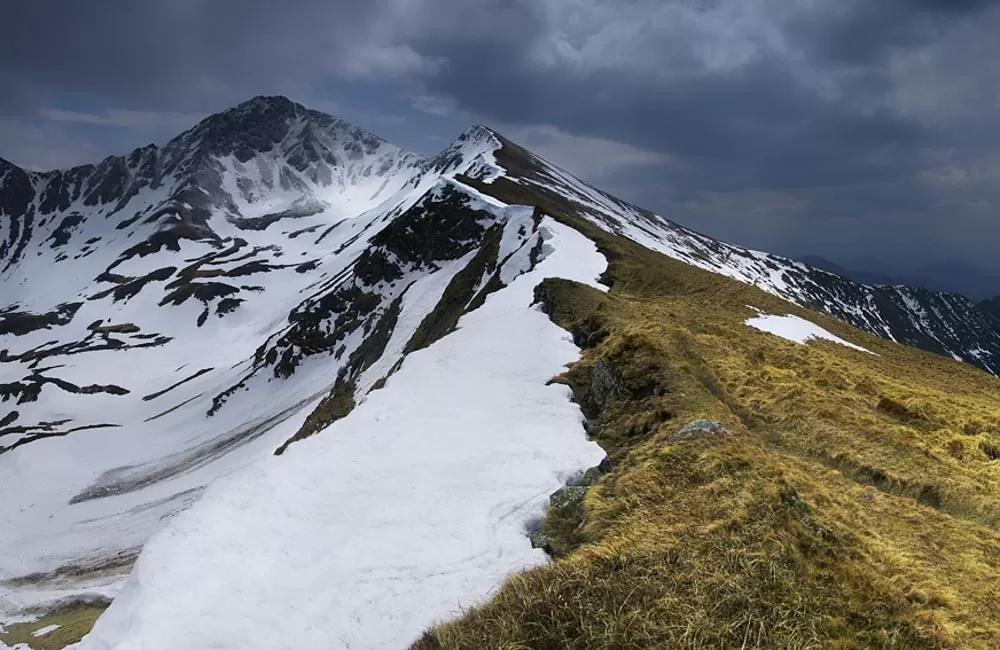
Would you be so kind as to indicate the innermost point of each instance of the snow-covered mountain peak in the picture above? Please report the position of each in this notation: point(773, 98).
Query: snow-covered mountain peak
point(267, 124)
point(479, 134)
point(470, 154)
point(265, 161)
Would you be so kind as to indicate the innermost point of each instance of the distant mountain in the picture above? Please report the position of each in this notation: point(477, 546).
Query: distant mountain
point(177, 313)
point(991, 306)
point(952, 277)
point(865, 277)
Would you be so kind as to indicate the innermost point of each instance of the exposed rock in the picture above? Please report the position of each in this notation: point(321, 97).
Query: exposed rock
point(568, 496)
point(592, 475)
point(121, 328)
point(605, 386)
point(20, 323)
point(540, 540)
point(445, 228)
point(698, 429)
point(61, 235)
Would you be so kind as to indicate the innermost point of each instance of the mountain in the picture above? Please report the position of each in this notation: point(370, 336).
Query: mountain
point(943, 323)
point(991, 306)
point(175, 318)
point(949, 277)
point(864, 277)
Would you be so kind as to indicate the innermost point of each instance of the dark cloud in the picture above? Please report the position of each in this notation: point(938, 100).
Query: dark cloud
point(784, 124)
point(177, 55)
point(860, 31)
point(840, 109)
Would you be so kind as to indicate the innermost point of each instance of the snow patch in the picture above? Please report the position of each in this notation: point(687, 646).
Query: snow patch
point(796, 329)
point(45, 630)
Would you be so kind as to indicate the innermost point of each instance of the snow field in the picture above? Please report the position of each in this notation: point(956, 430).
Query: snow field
point(396, 517)
point(796, 329)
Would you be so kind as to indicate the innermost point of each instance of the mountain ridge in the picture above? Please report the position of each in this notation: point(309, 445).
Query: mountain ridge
point(943, 323)
point(944, 277)
point(188, 313)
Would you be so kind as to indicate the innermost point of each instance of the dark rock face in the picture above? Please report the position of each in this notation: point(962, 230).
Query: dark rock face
point(60, 236)
point(20, 323)
point(15, 189)
point(260, 124)
point(443, 229)
point(249, 128)
point(16, 195)
point(129, 287)
point(374, 266)
point(262, 223)
point(460, 294)
point(605, 387)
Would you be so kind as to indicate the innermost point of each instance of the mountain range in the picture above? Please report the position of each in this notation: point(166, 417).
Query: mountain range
point(174, 315)
point(948, 277)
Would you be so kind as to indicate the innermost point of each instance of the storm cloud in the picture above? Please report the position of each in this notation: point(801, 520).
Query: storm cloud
point(849, 128)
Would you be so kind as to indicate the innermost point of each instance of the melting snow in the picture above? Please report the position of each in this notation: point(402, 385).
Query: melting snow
point(45, 630)
point(400, 515)
point(796, 329)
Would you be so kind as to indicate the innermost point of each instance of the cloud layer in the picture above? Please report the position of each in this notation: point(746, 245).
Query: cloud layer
point(834, 126)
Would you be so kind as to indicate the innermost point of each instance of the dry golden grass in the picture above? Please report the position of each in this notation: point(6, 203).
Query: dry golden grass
point(856, 504)
point(74, 622)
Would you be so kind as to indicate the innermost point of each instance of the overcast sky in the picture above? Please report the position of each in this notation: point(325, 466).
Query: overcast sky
point(850, 128)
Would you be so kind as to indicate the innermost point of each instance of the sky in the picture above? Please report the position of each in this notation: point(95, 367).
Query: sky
point(865, 131)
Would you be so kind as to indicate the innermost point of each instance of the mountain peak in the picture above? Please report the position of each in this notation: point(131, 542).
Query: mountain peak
point(255, 125)
point(266, 104)
point(479, 134)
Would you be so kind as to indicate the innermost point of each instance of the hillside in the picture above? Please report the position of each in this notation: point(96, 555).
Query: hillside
point(852, 503)
point(280, 354)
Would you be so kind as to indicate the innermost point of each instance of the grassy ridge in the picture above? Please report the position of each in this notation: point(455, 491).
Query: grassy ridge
point(855, 505)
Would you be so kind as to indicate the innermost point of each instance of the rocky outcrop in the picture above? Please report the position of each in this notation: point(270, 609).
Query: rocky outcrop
point(698, 429)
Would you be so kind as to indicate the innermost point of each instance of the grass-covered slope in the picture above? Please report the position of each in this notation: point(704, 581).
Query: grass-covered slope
point(855, 504)
point(54, 631)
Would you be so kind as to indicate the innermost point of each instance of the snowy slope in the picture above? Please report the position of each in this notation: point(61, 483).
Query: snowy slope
point(175, 315)
point(410, 508)
point(135, 393)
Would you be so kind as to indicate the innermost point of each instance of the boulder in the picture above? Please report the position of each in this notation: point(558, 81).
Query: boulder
point(568, 496)
point(701, 428)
